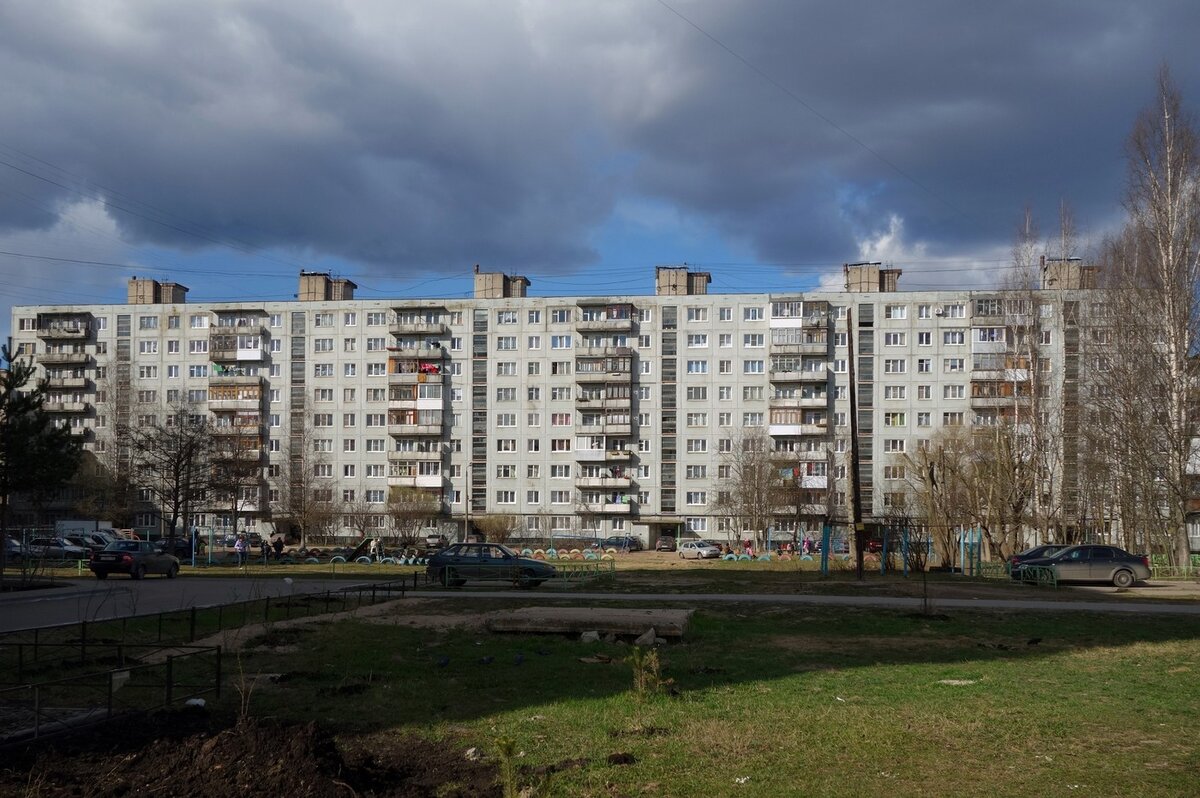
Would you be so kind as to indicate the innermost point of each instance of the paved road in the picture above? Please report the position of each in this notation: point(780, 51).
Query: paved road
point(78, 600)
point(886, 602)
point(92, 600)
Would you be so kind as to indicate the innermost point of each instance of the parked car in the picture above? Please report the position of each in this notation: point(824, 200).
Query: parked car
point(134, 557)
point(55, 549)
point(665, 543)
point(1094, 564)
point(1036, 553)
point(14, 552)
point(92, 541)
point(181, 547)
point(463, 562)
point(623, 542)
point(698, 550)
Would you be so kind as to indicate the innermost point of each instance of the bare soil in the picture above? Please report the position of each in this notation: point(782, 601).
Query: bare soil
point(190, 753)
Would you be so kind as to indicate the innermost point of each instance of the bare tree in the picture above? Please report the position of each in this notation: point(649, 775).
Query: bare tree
point(170, 459)
point(938, 476)
point(1144, 339)
point(754, 493)
point(303, 499)
point(411, 510)
point(497, 527)
point(236, 478)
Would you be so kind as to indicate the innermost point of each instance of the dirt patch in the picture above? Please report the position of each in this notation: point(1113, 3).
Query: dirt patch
point(189, 754)
point(857, 644)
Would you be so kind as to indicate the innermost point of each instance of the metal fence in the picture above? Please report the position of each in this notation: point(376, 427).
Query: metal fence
point(41, 709)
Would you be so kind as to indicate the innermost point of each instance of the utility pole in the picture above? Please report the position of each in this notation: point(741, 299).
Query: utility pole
point(855, 486)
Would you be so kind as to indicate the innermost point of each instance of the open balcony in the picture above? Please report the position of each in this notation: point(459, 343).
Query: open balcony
point(621, 482)
point(798, 402)
point(414, 327)
point(64, 331)
point(68, 382)
point(64, 358)
point(603, 455)
point(606, 508)
point(66, 407)
point(415, 481)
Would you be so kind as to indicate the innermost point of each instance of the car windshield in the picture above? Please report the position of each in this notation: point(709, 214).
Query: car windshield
point(122, 545)
point(507, 551)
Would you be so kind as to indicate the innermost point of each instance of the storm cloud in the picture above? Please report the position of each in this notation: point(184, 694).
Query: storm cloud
point(405, 137)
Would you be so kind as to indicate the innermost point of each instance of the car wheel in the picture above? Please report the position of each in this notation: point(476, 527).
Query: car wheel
point(173, 571)
point(138, 572)
point(527, 580)
point(1123, 578)
point(102, 574)
point(450, 578)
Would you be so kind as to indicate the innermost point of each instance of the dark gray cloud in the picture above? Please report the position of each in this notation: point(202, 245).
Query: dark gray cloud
point(410, 136)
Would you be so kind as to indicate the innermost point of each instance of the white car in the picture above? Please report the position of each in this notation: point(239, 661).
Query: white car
point(698, 550)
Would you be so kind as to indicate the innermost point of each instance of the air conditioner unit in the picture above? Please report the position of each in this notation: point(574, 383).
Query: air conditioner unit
point(939, 312)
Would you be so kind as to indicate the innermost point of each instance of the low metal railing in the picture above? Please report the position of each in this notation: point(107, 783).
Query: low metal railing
point(41, 709)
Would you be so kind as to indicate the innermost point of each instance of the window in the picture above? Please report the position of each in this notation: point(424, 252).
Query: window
point(697, 445)
point(895, 311)
point(322, 369)
point(696, 393)
point(643, 392)
point(952, 365)
point(752, 419)
point(645, 342)
point(697, 367)
point(375, 445)
point(560, 393)
point(924, 392)
point(323, 319)
point(147, 347)
point(377, 369)
point(954, 391)
point(893, 391)
point(349, 445)
point(839, 365)
point(560, 419)
point(349, 369)
point(198, 321)
point(560, 315)
point(1045, 337)
point(989, 335)
point(953, 419)
point(893, 445)
point(922, 419)
point(752, 314)
point(893, 420)
point(506, 368)
point(560, 342)
point(535, 317)
point(533, 419)
point(376, 419)
point(151, 372)
point(954, 311)
point(456, 344)
point(925, 339)
point(348, 420)
point(725, 393)
point(533, 342)
point(506, 317)
point(533, 368)
point(894, 339)
point(923, 312)
point(375, 318)
point(697, 472)
point(753, 366)
point(506, 394)
point(924, 365)
point(198, 347)
point(322, 419)
point(560, 444)
point(725, 314)
point(349, 344)
point(506, 343)
point(697, 419)
point(349, 319)
point(954, 337)
point(724, 419)
point(506, 497)
point(754, 340)
point(506, 444)
point(560, 497)
point(697, 314)
point(147, 322)
point(895, 366)
point(697, 341)
point(172, 372)
point(697, 497)
point(323, 444)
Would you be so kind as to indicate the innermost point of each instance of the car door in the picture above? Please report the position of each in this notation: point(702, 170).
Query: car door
point(1102, 562)
point(1074, 563)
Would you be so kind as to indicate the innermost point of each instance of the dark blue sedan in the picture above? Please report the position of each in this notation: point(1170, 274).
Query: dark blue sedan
point(463, 562)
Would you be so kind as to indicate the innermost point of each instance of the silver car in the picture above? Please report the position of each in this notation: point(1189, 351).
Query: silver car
point(698, 550)
point(1095, 564)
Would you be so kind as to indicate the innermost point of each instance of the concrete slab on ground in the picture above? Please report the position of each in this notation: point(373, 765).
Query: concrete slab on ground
point(605, 620)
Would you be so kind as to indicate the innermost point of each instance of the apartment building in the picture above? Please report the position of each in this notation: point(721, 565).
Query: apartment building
point(581, 416)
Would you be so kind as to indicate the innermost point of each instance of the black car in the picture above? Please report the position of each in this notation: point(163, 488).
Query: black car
point(1092, 563)
point(134, 557)
point(621, 542)
point(1036, 553)
point(463, 562)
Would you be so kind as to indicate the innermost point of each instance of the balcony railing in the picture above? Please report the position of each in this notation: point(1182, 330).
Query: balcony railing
point(64, 332)
point(63, 358)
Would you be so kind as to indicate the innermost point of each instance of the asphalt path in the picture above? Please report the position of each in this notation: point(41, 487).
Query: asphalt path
point(78, 600)
point(93, 600)
point(884, 602)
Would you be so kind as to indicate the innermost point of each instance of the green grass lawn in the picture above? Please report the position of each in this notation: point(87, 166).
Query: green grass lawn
point(755, 701)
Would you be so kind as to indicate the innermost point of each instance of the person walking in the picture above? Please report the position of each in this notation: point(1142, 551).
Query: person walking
point(278, 546)
point(239, 550)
